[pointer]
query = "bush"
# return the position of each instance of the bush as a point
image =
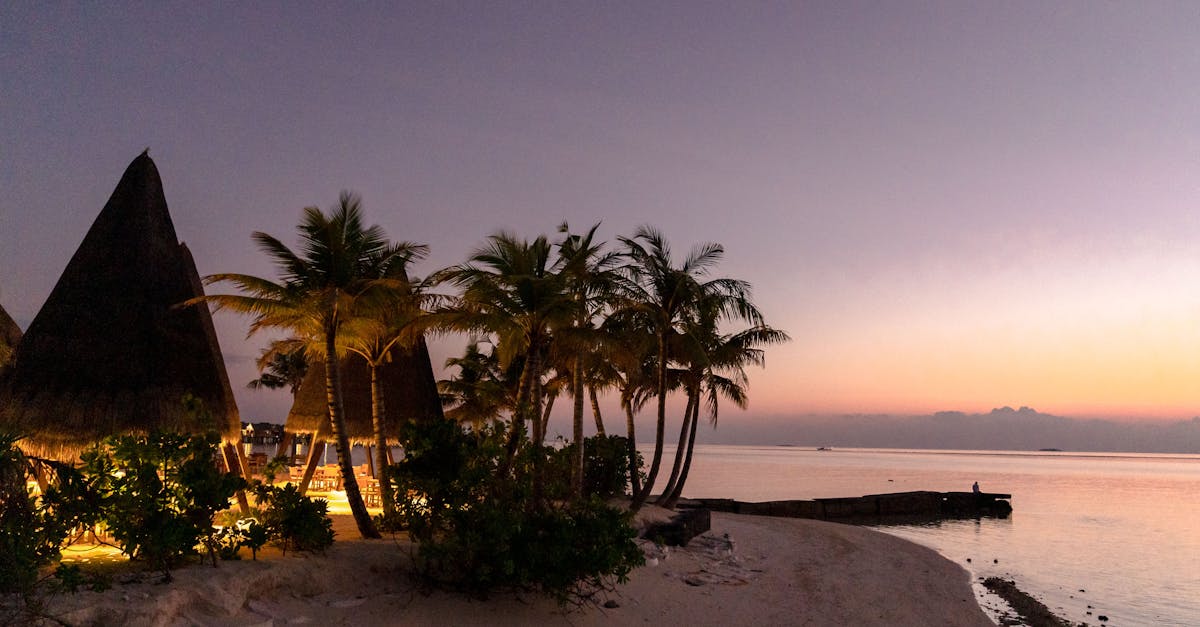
(30, 536)
(605, 466)
(290, 520)
(159, 493)
(477, 531)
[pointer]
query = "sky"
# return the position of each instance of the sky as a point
(948, 206)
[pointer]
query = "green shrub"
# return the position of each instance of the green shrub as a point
(30, 535)
(605, 467)
(239, 531)
(159, 493)
(290, 520)
(477, 531)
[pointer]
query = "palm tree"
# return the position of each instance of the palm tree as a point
(481, 391)
(663, 293)
(725, 376)
(338, 265)
(589, 281)
(282, 364)
(628, 344)
(512, 292)
(715, 363)
(393, 319)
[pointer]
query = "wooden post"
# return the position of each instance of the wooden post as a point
(233, 465)
(316, 451)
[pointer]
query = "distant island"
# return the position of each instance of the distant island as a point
(1004, 428)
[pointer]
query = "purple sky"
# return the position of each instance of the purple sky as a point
(948, 206)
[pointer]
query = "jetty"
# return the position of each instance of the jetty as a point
(897, 508)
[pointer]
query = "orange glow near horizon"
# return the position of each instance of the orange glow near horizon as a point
(1124, 344)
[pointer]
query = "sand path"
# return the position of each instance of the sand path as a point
(765, 571)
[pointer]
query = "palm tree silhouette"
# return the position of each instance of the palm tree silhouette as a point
(336, 272)
(513, 293)
(664, 294)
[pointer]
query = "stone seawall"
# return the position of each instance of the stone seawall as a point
(903, 506)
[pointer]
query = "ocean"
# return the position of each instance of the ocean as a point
(1102, 533)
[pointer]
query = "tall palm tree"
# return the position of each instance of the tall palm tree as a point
(589, 281)
(392, 319)
(336, 268)
(663, 293)
(512, 291)
(714, 363)
(628, 345)
(725, 377)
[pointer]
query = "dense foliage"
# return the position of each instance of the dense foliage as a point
(290, 520)
(477, 531)
(159, 493)
(29, 535)
(606, 465)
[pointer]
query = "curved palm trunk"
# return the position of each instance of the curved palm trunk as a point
(337, 423)
(687, 461)
(233, 465)
(546, 412)
(316, 451)
(577, 424)
(539, 436)
(634, 478)
(381, 466)
(641, 497)
(679, 448)
(522, 413)
(596, 411)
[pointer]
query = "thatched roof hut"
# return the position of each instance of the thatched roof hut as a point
(10, 336)
(409, 393)
(111, 352)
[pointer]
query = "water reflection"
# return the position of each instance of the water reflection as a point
(1121, 528)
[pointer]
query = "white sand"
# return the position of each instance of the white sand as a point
(779, 572)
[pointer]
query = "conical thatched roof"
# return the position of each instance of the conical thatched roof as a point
(110, 352)
(409, 393)
(10, 336)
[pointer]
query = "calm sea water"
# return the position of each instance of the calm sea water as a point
(1118, 532)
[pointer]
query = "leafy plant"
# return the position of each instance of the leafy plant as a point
(477, 531)
(29, 535)
(605, 465)
(159, 493)
(290, 520)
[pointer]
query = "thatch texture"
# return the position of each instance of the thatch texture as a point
(409, 393)
(10, 336)
(110, 352)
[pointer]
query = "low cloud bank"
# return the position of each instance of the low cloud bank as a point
(1000, 429)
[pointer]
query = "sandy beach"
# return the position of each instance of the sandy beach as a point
(746, 570)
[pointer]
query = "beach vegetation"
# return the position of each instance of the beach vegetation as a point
(712, 368)
(158, 493)
(512, 291)
(289, 520)
(606, 467)
(660, 292)
(342, 266)
(478, 531)
(30, 535)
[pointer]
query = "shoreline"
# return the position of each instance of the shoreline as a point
(746, 569)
